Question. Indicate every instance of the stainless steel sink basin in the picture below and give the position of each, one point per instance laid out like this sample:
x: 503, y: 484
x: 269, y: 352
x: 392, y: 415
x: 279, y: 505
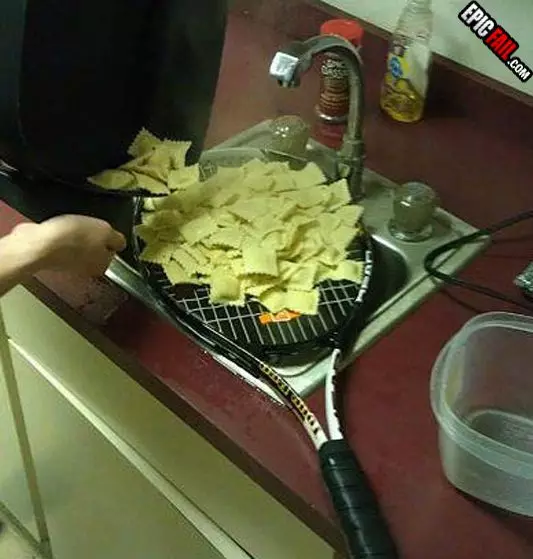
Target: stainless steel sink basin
x: 402, y: 283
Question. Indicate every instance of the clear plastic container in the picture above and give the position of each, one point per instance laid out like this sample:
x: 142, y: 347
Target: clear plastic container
x: 482, y: 397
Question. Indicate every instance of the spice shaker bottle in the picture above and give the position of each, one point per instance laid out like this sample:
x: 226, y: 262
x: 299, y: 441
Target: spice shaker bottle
x: 334, y: 104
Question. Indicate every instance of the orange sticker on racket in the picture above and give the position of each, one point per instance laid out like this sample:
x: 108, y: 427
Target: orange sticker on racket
x: 282, y: 316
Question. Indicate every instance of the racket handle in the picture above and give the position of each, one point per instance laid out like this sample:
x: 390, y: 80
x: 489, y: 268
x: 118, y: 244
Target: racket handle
x: 366, y: 531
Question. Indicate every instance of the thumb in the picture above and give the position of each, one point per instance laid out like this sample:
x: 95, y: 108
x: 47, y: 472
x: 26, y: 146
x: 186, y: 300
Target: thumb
x: 115, y: 241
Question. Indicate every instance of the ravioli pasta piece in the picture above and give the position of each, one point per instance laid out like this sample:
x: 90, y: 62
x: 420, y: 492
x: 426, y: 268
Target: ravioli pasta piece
x: 197, y: 254
x: 228, y: 237
x: 284, y: 183
x: 113, y: 179
x: 315, y: 211
x: 248, y: 209
x: 170, y: 202
x: 301, y: 220
x: 218, y: 255
x: 144, y: 165
x: 342, y: 236
x: 187, y: 262
x: 149, y: 231
x: 191, y: 199
x: 330, y: 256
x: 237, y: 266
x: 197, y: 229
x: 255, y: 166
x: 310, y: 175
x: 307, y: 246
x: 305, y: 302
x: 148, y: 206
x: 226, y: 176
x: 164, y: 219
x: 350, y: 214
x: 178, y: 152
x: 257, y: 285
x: 258, y: 182
x: 223, y: 218
x: 303, y: 278
x: 233, y: 253
x: 266, y: 224
x: 348, y: 270
x: 181, y: 179
x: 157, y: 252
x: 273, y: 240
x: 259, y: 260
x: 223, y: 197
x: 158, y: 164
x: 175, y: 272
x: 274, y: 300
x: 309, y: 197
x: 323, y: 272
x: 328, y: 221
x: 143, y: 143
x: 340, y: 194
x: 277, y: 168
x: 147, y: 182
x: 226, y: 288
x: 146, y: 233
x: 281, y: 207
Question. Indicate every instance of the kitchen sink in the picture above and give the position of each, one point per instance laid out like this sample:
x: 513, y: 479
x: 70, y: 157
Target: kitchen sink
x: 401, y: 286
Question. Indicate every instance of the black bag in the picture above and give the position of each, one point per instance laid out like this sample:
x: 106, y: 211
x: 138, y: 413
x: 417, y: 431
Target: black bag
x: 79, y: 79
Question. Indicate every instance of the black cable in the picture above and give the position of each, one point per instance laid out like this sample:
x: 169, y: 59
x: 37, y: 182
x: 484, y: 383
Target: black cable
x: 432, y: 270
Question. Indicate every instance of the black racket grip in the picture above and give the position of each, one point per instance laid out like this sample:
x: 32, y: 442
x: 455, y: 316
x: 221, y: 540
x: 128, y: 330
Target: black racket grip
x: 365, y: 530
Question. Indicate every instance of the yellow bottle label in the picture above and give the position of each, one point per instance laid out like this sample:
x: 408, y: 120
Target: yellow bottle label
x: 405, y: 84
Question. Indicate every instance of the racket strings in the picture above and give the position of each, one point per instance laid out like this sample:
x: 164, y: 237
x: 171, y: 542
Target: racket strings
x: 244, y: 324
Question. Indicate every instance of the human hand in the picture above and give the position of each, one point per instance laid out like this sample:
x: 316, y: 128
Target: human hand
x: 70, y: 243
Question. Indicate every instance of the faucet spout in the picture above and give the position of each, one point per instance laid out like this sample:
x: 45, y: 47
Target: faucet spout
x: 290, y: 63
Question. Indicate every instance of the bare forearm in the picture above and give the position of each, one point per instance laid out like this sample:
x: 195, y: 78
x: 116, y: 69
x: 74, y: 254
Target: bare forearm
x: 17, y: 263
x: 72, y: 243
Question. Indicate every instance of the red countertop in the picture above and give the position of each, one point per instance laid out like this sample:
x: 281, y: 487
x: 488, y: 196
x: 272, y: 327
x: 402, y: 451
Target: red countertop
x: 476, y: 148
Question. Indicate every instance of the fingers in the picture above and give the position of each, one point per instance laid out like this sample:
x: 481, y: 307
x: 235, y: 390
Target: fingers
x: 116, y: 241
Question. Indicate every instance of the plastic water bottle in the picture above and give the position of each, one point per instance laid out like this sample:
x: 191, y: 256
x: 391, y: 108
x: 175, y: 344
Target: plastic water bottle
x: 404, y: 88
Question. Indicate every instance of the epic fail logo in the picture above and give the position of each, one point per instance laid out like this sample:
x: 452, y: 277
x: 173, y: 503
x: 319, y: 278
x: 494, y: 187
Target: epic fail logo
x: 496, y: 38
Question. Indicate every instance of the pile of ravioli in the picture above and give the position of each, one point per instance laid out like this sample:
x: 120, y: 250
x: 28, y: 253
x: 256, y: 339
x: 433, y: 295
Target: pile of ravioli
x: 260, y: 231
x: 154, y: 166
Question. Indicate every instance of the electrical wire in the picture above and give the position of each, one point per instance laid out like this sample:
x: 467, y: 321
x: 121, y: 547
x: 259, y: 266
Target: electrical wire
x: 432, y: 269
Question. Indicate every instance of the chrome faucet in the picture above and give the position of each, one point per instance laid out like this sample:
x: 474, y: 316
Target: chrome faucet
x: 290, y: 63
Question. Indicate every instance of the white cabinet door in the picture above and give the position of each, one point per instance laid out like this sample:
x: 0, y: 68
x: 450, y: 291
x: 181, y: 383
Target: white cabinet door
x: 14, y: 491
x: 239, y: 506
x: 98, y: 506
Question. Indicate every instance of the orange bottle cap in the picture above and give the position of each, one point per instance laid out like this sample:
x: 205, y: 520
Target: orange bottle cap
x: 346, y: 28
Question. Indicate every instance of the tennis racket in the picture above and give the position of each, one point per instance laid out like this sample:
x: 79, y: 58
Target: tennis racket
x: 240, y: 335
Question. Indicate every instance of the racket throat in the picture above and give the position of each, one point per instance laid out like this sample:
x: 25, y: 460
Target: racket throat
x: 333, y: 418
